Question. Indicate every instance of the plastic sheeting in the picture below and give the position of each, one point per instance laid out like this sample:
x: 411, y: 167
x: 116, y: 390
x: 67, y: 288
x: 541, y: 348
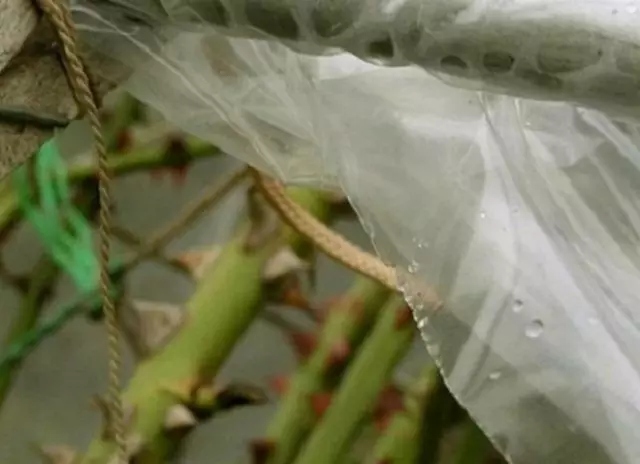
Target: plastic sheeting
x: 523, y: 213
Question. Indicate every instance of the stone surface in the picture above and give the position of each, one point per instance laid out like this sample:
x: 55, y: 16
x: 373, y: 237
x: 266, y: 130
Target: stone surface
x: 32, y: 78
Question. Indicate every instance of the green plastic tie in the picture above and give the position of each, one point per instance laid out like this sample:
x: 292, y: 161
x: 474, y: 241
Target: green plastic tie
x: 63, y: 230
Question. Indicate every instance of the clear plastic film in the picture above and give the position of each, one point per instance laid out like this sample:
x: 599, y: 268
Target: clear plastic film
x: 518, y: 199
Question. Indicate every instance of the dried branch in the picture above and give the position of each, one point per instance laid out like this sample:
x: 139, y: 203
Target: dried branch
x: 23, y: 345
x: 126, y: 236
x: 191, y: 213
x: 40, y: 285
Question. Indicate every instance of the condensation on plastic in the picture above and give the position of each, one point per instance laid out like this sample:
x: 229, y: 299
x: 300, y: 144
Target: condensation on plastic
x: 523, y: 214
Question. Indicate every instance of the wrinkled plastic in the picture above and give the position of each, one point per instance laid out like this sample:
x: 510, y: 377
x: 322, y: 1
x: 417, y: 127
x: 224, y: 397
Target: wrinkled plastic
x: 579, y: 50
x: 524, y: 214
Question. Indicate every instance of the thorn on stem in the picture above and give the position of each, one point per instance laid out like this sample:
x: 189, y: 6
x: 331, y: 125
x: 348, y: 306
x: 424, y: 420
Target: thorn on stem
x: 261, y: 450
x: 179, y: 418
x: 331, y: 303
x: 203, y: 399
x: 391, y: 399
x: 178, y: 175
x: 199, y: 261
x: 357, y: 308
x: 150, y: 325
x: 190, y: 390
x: 322, y: 310
x: 404, y: 316
x: 389, y: 403
x: 280, y: 384
x: 304, y: 343
x: 123, y: 141
x: 238, y: 395
x: 284, y: 262
x: 177, y: 159
x: 339, y: 353
x: 320, y: 402
x: 382, y: 423
x: 289, y: 292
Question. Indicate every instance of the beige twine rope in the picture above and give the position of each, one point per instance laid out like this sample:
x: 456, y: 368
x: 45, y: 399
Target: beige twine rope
x: 58, y: 13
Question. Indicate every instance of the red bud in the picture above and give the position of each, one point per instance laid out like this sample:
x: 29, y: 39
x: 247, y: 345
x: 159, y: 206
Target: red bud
x: 320, y: 402
x: 292, y: 295
x: 389, y: 403
x: 331, y: 303
x: 324, y: 309
x: 404, y: 316
x: 382, y: 422
x: 304, y: 343
x: 357, y: 309
x: 177, y: 160
x: 280, y: 384
x: 339, y: 353
x: 123, y: 141
x: 390, y: 400
x: 178, y: 174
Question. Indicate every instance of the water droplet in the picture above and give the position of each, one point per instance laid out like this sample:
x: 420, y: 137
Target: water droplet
x: 414, y: 267
x: 495, y: 375
x: 433, y: 349
x: 423, y: 245
x: 422, y: 323
x: 534, y: 329
x: 518, y: 306
x: 417, y: 305
x: 483, y: 215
